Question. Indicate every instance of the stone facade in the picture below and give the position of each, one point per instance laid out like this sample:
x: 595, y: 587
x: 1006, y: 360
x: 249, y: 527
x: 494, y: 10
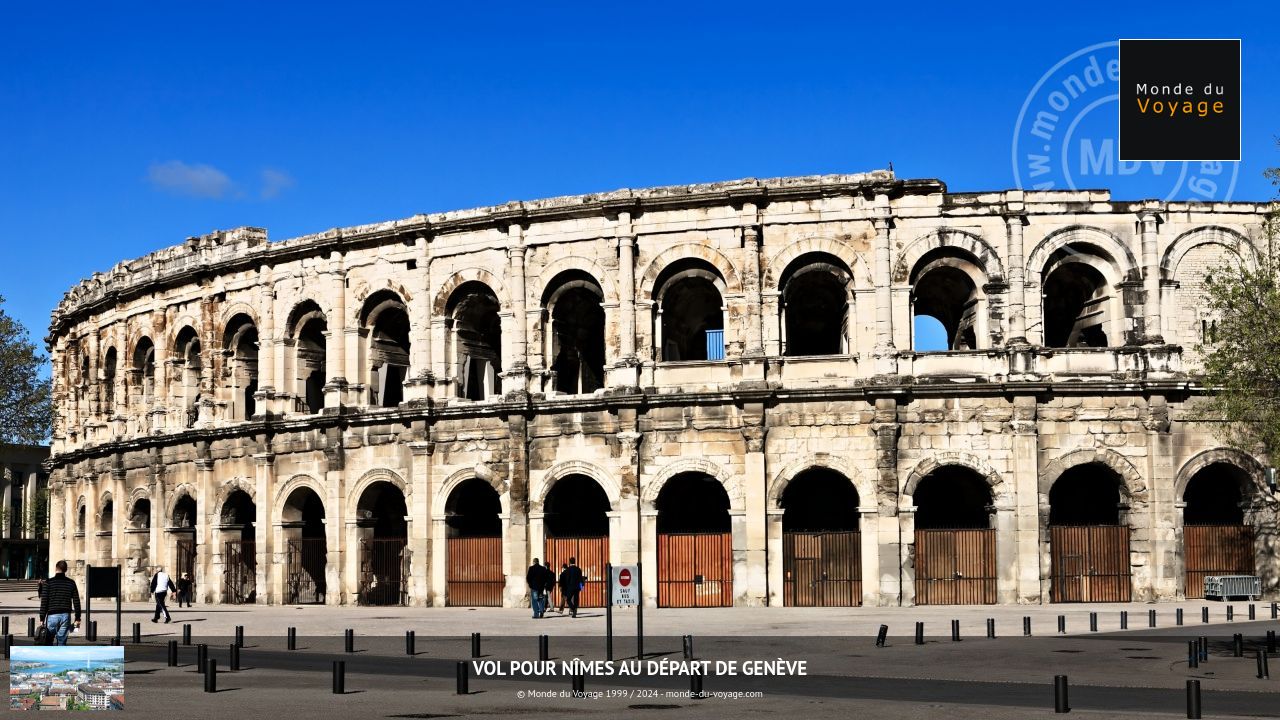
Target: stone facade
x: 745, y: 332
x: 24, y: 487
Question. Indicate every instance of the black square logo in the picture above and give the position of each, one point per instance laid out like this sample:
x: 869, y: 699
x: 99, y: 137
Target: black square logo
x: 1180, y: 100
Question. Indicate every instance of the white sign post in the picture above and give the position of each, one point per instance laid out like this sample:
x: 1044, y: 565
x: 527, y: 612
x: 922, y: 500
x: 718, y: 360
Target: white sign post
x: 626, y: 585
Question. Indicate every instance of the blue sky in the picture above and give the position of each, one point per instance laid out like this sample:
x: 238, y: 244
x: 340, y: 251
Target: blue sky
x: 125, y: 128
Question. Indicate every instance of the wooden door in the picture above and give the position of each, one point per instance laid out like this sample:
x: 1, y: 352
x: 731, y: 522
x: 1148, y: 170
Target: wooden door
x: 822, y: 569
x: 695, y: 570
x: 956, y: 567
x: 592, y: 553
x: 474, y: 576
x: 1216, y: 550
x: 1090, y: 563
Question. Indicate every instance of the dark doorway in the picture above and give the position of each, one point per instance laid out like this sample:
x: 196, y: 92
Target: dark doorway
x: 474, y: 573
x: 821, y: 545
x: 307, y: 548
x: 1089, y: 548
x: 1216, y: 540
x: 384, y: 537
x: 695, y: 546
x: 239, y: 561
x: 955, y: 559
x: 815, y: 301
x: 577, y: 526
x: 576, y: 326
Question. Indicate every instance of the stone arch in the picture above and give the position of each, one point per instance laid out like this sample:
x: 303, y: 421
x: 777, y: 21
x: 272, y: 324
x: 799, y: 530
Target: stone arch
x: 560, y: 470
x: 816, y: 244
x: 363, y: 291
x: 171, y: 503
x: 286, y: 489
x: 177, y: 327
x: 1242, y: 460
x: 226, y: 489
x: 1001, y: 491
x: 238, y: 307
x: 1205, y: 235
x: 1133, y: 486
x: 465, y: 275
x: 138, y: 494
x: 813, y: 461
x: 1121, y: 255
x: 458, y: 477
x: 706, y: 253
x: 982, y: 251
x: 731, y: 483
x: 375, y: 475
x: 572, y: 262
x: 300, y: 310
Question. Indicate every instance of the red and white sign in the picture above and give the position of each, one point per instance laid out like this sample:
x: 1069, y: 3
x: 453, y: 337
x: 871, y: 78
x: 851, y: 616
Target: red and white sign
x: 625, y: 587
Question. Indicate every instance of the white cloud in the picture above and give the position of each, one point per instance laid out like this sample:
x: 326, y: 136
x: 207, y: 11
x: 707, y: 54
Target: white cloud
x: 274, y: 182
x: 197, y: 180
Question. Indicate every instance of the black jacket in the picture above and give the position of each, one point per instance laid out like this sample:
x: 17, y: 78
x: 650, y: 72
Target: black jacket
x: 534, y: 577
x: 571, y: 579
x: 60, y: 596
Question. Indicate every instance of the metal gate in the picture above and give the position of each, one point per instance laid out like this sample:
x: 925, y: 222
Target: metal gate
x: 822, y: 569
x: 239, y: 571
x: 1216, y: 550
x: 384, y: 571
x: 474, y: 576
x: 1090, y: 563
x: 695, y: 570
x: 305, y: 581
x: 591, y: 553
x: 956, y: 567
x: 185, y: 560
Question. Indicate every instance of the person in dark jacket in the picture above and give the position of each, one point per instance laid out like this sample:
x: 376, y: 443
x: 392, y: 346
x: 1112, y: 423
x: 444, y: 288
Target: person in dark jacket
x: 161, y: 586
x: 571, y: 582
x: 185, y: 588
x: 61, y: 598
x: 563, y: 568
x: 537, y: 588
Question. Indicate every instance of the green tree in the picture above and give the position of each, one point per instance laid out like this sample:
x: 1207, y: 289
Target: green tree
x: 1242, y: 352
x: 26, y: 410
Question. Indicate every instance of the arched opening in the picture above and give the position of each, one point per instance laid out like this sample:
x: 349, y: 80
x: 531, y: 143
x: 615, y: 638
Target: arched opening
x: 1216, y: 539
x: 816, y: 306
x: 821, y: 545
x: 695, y: 543
x: 955, y: 543
x: 309, y: 331
x: 690, y: 322
x: 476, y: 332
x: 1088, y: 542
x: 183, y: 530
x: 142, y: 373
x: 140, y: 517
x: 188, y: 368
x: 576, y: 518
x: 109, y: 363
x: 1078, y: 300
x: 239, y: 548
x: 945, y: 288
x: 474, y: 574
x: 302, y: 522
x: 385, y: 321
x: 137, y: 535
x: 240, y: 343
x: 574, y: 328
x: 106, y: 531
x: 382, y: 529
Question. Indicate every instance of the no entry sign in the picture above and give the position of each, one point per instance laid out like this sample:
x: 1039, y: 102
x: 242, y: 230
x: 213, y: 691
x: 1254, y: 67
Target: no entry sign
x: 625, y: 581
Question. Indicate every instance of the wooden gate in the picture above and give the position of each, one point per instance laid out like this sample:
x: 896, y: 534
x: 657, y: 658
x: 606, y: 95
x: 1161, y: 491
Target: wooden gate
x: 474, y: 574
x: 384, y: 571
x: 695, y: 570
x: 305, y: 581
x: 956, y: 567
x: 592, y: 553
x: 822, y: 569
x: 185, y: 560
x: 1090, y: 563
x: 1216, y: 550
x: 239, y: 571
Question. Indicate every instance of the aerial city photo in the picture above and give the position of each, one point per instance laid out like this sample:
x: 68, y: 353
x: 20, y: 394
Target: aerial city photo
x: 81, y: 677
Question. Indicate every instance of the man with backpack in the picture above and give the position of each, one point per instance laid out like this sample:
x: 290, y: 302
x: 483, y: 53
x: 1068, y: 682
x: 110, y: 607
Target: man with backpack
x: 60, y: 599
x: 162, y: 585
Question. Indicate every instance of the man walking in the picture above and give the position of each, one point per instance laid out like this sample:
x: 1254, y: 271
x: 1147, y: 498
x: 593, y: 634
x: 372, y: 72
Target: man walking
x: 61, y: 598
x: 537, y: 582
x: 161, y: 585
x: 571, y: 582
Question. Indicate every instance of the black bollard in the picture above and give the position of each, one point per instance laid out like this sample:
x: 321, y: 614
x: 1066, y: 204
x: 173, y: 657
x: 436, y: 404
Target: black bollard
x: 173, y: 653
x: 955, y: 631
x: 4, y: 625
x: 1062, y: 624
x: 1204, y: 649
x: 1026, y: 625
x: 202, y: 655
x: 1275, y: 609
x: 409, y: 641
x: 579, y: 684
x: 1231, y: 613
x: 1271, y: 642
x: 991, y: 627
x: 239, y: 636
x: 695, y: 685
x: 544, y: 647
x: 137, y: 633
x: 1151, y: 618
x: 8, y: 643
x: 1193, y: 698
x: 1060, y: 704
x: 1193, y: 654
x: 211, y: 676
x: 919, y: 633
x: 92, y: 635
x: 1093, y: 622
x: 339, y: 677
x: 1179, y: 618
x: 186, y: 634
x: 880, y: 636
x: 1263, y: 671
x: 233, y: 662
x: 293, y: 638
x: 31, y: 627
x: 1253, y: 612
x: 349, y: 640
x: 475, y: 645
x: 1237, y: 645
x: 1124, y: 619
x: 686, y: 645
x: 463, y: 673
x: 1204, y: 614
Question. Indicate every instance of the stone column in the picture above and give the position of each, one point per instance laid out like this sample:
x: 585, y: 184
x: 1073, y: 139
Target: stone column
x: 627, y: 292
x: 420, y: 540
x: 341, y: 569
x: 91, y: 551
x: 517, y: 367
x: 418, y: 384
x: 338, y: 346
x: 625, y: 546
x: 892, y: 535
x: 208, y: 556
x: 1006, y: 525
x: 1025, y: 478
x: 886, y: 360
x: 158, y: 538
x: 269, y: 578
x: 1149, y: 217
x: 751, y: 286
x: 6, y: 501
x: 517, y: 536
x: 775, y: 571
x: 270, y: 357
x: 57, y: 520
x: 1163, y: 521
x: 756, y: 480
x: 869, y: 528
x: 906, y: 559
x: 1016, y: 305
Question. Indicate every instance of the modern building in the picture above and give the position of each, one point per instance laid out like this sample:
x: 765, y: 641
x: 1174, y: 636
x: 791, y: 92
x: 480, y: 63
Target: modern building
x: 24, y: 512
x: 727, y: 382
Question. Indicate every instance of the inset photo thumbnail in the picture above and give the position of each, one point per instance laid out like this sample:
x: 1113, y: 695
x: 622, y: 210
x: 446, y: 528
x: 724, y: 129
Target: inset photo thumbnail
x: 81, y: 677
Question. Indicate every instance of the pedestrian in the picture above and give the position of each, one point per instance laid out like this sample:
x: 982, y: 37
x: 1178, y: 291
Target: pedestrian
x: 185, y: 587
x: 61, y: 598
x: 537, y: 592
x: 548, y: 585
x: 571, y: 583
x: 560, y: 587
x: 161, y: 584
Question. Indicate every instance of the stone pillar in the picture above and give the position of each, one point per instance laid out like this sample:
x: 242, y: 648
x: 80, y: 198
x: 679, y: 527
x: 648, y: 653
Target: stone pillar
x: 886, y: 355
x: 158, y: 538
x: 91, y: 551
x: 517, y: 536
x: 270, y: 349
x: 906, y: 559
x: 420, y: 379
x: 1016, y: 305
x: 756, y: 479
x: 1163, y: 517
x: 626, y: 544
x: 869, y: 529
x: 751, y: 286
x: 773, y: 554
x: 57, y: 520
x: 517, y: 364
x: 1006, y: 526
x: 338, y: 346
x: 1149, y: 218
x: 1024, y: 469
x: 627, y: 293
x: 420, y: 540
x: 892, y: 535
x: 208, y: 554
x: 269, y: 578
x: 341, y: 568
